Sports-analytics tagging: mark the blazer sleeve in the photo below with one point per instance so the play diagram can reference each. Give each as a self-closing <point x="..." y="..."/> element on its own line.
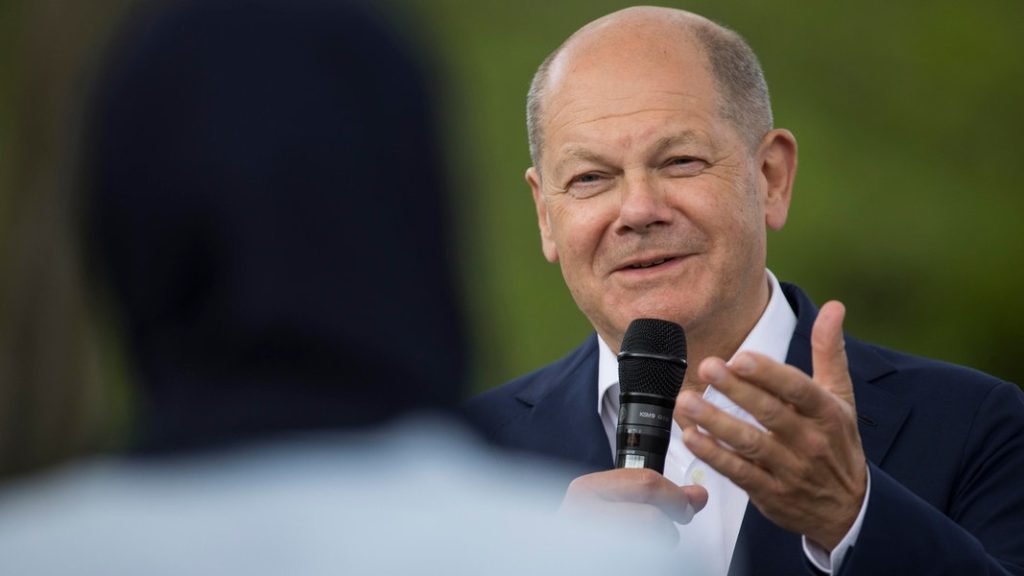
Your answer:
<point x="981" y="531"/>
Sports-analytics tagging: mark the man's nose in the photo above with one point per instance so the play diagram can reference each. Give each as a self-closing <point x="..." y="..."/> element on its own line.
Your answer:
<point x="644" y="204"/>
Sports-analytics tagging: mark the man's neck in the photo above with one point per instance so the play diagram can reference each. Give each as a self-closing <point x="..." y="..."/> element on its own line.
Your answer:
<point x="711" y="340"/>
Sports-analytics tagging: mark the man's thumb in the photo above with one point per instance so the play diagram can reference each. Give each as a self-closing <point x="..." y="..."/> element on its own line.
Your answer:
<point x="828" y="351"/>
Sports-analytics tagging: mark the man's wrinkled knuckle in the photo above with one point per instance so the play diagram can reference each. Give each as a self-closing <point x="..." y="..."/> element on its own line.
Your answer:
<point x="803" y="469"/>
<point x="647" y="480"/>
<point x="742" y="474"/>
<point x="780" y="492"/>
<point x="816" y="446"/>
<point x="771" y="414"/>
<point x="801" y="393"/>
<point x="750" y="444"/>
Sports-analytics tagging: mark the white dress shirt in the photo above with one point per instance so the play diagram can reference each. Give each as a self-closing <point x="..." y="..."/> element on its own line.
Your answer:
<point x="711" y="535"/>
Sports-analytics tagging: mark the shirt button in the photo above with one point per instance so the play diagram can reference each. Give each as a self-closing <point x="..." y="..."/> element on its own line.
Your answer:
<point x="697" y="476"/>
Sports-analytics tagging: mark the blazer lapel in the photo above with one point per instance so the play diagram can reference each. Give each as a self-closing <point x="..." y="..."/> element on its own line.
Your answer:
<point x="880" y="414"/>
<point x="564" y="410"/>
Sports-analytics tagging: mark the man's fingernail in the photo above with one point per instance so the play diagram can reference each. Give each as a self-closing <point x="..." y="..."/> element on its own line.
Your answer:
<point x="743" y="364"/>
<point x="693" y="439"/>
<point x="714" y="372"/>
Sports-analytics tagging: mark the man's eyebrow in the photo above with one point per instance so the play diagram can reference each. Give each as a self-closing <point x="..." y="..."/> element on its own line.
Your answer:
<point x="579" y="153"/>
<point x="582" y="153"/>
<point x="685" y="137"/>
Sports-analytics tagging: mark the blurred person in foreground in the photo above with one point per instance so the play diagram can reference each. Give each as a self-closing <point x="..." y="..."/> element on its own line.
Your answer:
<point x="264" y="200"/>
<point x="656" y="172"/>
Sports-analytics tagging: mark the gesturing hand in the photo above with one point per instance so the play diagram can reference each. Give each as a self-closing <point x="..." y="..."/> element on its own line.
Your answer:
<point x="806" y="473"/>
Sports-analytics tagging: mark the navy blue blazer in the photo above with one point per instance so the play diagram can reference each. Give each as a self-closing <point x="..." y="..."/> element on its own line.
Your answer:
<point x="945" y="447"/>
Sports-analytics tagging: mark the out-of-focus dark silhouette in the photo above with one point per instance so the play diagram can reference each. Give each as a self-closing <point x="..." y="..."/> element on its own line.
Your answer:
<point x="262" y="201"/>
<point x="264" y="195"/>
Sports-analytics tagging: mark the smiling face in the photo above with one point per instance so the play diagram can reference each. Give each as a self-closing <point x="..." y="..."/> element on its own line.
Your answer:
<point x="654" y="204"/>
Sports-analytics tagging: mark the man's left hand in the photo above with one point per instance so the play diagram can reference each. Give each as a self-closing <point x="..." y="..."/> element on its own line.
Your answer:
<point x="807" y="472"/>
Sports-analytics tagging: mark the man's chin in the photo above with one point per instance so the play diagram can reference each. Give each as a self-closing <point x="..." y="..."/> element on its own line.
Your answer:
<point x="664" y="309"/>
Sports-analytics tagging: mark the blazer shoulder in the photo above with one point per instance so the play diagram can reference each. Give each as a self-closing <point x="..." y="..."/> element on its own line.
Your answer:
<point x="899" y="373"/>
<point x="918" y="375"/>
<point x="493" y="409"/>
<point x="924" y="403"/>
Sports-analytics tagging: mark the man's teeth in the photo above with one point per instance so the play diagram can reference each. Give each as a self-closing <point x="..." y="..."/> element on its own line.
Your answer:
<point x="649" y="264"/>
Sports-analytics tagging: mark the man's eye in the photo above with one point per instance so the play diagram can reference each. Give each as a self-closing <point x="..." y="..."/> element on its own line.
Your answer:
<point x="685" y="165"/>
<point x="587" y="185"/>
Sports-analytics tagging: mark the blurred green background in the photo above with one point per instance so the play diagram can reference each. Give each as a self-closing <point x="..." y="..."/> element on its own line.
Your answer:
<point x="907" y="203"/>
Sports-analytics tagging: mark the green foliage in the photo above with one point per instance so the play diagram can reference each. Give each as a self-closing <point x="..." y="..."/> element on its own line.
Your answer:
<point x="909" y="118"/>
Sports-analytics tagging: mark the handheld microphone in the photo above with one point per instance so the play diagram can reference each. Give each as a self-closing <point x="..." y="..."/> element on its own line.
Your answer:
<point x="652" y="363"/>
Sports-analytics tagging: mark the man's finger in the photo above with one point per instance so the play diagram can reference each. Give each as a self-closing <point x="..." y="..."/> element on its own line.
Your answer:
<point x="787" y="383"/>
<point x="741" y="471"/>
<point x="767" y="404"/>
<point x="641" y="486"/>
<point x="698" y="498"/>
<point x="746" y="440"/>
<point x="828" y="351"/>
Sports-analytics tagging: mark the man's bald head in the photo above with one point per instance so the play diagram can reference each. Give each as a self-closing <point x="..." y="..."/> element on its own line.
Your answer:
<point x="739" y="80"/>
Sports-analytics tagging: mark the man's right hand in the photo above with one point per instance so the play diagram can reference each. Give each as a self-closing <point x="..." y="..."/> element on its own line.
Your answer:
<point x="635" y="497"/>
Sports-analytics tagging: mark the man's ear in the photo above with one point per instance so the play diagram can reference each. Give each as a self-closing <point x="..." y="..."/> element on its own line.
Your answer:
<point x="777" y="157"/>
<point x="547" y="241"/>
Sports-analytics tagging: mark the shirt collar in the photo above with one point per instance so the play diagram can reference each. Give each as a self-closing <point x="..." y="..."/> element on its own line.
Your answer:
<point x="770" y="336"/>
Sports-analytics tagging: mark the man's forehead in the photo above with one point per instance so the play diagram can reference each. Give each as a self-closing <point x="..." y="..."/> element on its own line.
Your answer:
<point x="597" y="93"/>
<point x="612" y="64"/>
<point x="623" y="63"/>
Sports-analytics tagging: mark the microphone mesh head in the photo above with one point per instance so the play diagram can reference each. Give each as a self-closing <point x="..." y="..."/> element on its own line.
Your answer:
<point x="652" y="375"/>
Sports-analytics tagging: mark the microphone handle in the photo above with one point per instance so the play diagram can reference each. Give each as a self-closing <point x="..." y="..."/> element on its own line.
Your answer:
<point x="644" y="430"/>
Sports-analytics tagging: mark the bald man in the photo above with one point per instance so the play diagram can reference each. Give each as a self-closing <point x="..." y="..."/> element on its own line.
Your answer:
<point x="656" y="173"/>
